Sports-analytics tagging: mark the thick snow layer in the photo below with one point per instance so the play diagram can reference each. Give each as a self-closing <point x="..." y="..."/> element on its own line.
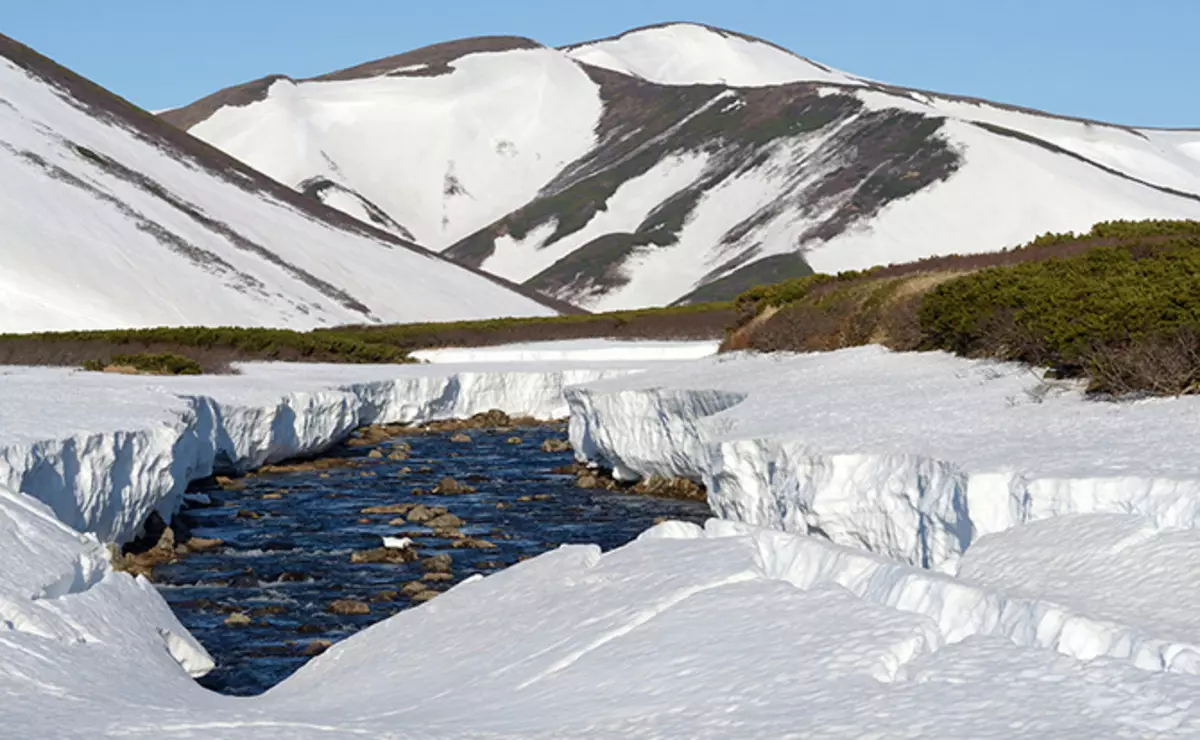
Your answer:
<point x="573" y="350"/>
<point x="910" y="455"/>
<point x="1007" y="192"/>
<point x="452" y="155"/>
<point x="732" y="634"/>
<point x="103" y="451"/>
<point x="1118" y="568"/>
<point x="625" y="210"/>
<point x="1164" y="158"/>
<point x="689" y="54"/>
<point x="86" y="247"/>
<point x="443" y="155"/>
<point x="1078" y="624"/>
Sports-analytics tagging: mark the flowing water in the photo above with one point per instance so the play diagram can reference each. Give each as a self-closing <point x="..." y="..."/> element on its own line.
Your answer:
<point x="289" y="538"/>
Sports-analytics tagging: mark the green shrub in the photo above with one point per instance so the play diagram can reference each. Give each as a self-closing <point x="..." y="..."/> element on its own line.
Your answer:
<point x="162" y="363"/>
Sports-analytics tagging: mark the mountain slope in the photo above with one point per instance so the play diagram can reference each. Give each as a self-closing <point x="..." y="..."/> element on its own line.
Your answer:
<point x="112" y="218"/>
<point x="683" y="162"/>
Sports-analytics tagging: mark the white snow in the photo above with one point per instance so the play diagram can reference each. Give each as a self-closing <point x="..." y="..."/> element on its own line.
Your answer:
<point x="397" y="543"/>
<point x="76" y="259"/>
<point x="624" y="211"/>
<point x="910" y="455"/>
<point x="451" y="155"/>
<point x="690" y="54"/>
<point x="442" y="155"/>
<point x="1155" y="156"/>
<point x="1006" y="193"/>
<point x="103" y="450"/>
<point x="1072" y="614"/>
<point x="573" y="350"/>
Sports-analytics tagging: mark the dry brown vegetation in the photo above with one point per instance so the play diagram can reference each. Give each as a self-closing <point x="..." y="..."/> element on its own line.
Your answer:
<point x="1119" y="305"/>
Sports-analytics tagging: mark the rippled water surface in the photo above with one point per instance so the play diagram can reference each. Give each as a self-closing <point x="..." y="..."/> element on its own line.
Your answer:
<point x="289" y="539"/>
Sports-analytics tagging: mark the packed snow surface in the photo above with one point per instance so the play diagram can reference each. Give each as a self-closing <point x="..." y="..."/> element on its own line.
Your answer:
<point x="108" y="227"/>
<point x="442" y="155"/>
<point x="913" y="455"/>
<point x="1059" y="601"/>
<point x="689" y="54"/>
<point x="493" y="153"/>
<point x="572" y="350"/>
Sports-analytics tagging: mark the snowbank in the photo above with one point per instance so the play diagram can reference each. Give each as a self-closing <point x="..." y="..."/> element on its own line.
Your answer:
<point x="726" y="633"/>
<point x="1072" y="626"/>
<point x="574" y="350"/>
<point x="912" y="456"/>
<point x="103" y="451"/>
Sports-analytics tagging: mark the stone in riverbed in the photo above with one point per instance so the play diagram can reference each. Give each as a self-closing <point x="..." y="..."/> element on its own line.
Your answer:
<point x="424" y="596"/>
<point x="412" y="588"/>
<point x="438" y="564"/>
<point x="676" y="488"/>
<point x="390" y="509"/>
<point x="444" y="521"/>
<point x="316" y="647"/>
<point x="448" y="487"/>
<point x="470" y="543"/>
<point x="461" y="438"/>
<point x="238" y="619"/>
<point x="513" y="441"/>
<point x="587" y="482"/>
<point x="272" y="496"/>
<point x="420" y="514"/>
<point x="556" y="445"/>
<point x="375" y="454"/>
<point x="247" y="514"/>
<point x="437" y="577"/>
<point x="397" y="456"/>
<point x="448" y="533"/>
<point x="203" y="544"/>
<point x="384" y="596"/>
<point x="377" y="555"/>
<point x="349" y="607"/>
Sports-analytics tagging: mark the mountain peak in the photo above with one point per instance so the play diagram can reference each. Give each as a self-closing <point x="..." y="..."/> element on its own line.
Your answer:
<point x="694" y="53"/>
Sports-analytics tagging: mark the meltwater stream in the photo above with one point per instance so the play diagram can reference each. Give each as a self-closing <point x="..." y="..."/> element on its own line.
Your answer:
<point x="288" y="540"/>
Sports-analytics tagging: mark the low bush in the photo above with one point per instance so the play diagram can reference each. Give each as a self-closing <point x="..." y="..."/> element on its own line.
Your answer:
<point x="163" y="363"/>
<point x="1119" y="305"/>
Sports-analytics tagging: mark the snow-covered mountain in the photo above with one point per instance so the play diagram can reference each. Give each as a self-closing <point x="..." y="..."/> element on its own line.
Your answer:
<point x="682" y="162"/>
<point x="112" y="218"/>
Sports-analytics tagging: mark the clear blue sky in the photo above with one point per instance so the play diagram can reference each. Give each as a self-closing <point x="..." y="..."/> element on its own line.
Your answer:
<point x="1126" y="61"/>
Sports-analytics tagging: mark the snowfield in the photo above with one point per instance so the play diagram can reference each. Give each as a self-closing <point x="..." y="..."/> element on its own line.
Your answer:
<point x="112" y="219"/>
<point x="493" y="157"/>
<point x="688" y="54"/>
<point x="1059" y="536"/>
<point x="441" y="155"/>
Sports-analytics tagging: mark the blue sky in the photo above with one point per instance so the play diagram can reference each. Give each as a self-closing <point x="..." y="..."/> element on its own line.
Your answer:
<point x="1114" y="60"/>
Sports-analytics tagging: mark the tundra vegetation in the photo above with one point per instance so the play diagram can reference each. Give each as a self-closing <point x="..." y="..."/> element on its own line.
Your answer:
<point x="1118" y="305"/>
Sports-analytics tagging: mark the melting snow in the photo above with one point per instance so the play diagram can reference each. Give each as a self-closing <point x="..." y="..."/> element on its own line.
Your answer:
<point x="1071" y="615"/>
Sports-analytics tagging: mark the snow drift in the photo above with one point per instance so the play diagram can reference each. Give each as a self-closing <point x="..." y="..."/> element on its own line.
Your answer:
<point x="1073" y="624"/>
<point x="914" y="456"/>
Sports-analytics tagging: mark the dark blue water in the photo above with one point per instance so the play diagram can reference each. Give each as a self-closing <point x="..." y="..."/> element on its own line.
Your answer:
<point x="284" y="568"/>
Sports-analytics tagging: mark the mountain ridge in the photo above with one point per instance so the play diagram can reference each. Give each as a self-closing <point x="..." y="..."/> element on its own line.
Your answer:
<point x="63" y="134"/>
<point x="776" y="197"/>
